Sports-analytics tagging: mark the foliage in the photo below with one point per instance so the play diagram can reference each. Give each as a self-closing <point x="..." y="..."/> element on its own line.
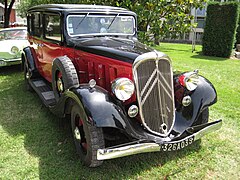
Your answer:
<point x="220" y="29"/>
<point x="164" y="19"/>
<point x="238" y="31"/>
<point x="156" y="18"/>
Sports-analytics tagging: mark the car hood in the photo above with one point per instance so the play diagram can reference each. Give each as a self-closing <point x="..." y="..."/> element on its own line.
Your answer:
<point x="122" y="49"/>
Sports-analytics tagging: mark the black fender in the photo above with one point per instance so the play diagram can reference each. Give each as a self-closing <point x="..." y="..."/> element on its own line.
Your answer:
<point x="28" y="56"/>
<point x="202" y="97"/>
<point x="102" y="110"/>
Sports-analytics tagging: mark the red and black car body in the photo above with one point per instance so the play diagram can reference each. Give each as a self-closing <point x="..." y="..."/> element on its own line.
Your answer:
<point x="113" y="87"/>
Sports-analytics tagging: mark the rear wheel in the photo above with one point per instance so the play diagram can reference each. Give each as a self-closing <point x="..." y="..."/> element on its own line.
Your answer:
<point x="87" y="138"/>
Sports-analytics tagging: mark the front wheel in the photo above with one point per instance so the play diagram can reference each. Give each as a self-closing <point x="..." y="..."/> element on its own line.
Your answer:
<point x="87" y="138"/>
<point x="27" y="75"/>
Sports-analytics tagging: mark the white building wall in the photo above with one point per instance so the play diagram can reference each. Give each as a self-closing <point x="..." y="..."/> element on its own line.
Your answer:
<point x="1" y="11"/>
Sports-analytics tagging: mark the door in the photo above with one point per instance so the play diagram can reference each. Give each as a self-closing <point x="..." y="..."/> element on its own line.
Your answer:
<point x="50" y="47"/>
<point x="35" y="38"/>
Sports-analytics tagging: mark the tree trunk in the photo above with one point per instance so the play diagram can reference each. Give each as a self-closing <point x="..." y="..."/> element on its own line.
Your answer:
<point x="156" y="39"/>
<point x="7" y="12"/>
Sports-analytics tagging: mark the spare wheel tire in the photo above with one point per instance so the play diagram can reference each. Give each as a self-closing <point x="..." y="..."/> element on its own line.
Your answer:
<point x="64" y="76"/>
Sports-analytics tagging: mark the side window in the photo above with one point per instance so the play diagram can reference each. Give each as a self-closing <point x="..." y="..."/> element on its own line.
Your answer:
<point x="35" y="25"/>
<point x="52" y="27"/>
<point x="29" y="24"/>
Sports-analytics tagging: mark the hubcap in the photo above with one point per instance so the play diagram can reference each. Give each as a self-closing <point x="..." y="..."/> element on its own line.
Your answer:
<point x="27" y="75"/>
<point x="60" y="85"/>
<point x="27" y="72"/>
<point x="77" y="134"/>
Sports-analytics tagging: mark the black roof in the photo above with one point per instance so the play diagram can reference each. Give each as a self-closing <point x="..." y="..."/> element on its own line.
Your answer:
<point x="76" y="7"/>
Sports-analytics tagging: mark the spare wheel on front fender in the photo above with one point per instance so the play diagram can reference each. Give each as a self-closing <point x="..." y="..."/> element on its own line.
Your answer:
<point x="64" y="76"/>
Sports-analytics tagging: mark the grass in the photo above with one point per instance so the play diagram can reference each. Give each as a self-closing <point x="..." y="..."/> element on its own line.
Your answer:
<point x="34" y="144"/>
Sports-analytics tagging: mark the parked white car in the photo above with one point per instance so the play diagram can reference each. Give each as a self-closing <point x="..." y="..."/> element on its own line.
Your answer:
<point x="12" y="42"/>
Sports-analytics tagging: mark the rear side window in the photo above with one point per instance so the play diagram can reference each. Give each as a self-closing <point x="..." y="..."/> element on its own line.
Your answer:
<point x="52" y="27"/>
<point x="35" y="25"/>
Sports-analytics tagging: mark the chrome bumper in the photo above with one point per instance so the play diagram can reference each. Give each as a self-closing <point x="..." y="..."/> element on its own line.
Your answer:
<point x="4" y="62"/>
<point x="111" y="153"/>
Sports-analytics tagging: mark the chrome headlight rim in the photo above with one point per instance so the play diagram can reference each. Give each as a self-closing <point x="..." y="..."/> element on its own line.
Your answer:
<point x="189" y="80"/>
<point x="14" y="50"/>
<point x="123" y="88"/>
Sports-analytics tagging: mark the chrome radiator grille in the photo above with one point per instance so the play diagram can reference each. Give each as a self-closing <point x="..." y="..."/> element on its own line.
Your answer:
<point x="154" y="83"/>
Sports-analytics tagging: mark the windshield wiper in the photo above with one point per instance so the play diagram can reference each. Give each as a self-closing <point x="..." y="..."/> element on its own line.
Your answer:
<point x="82" y="20"/>
<point x="112" y="21"/>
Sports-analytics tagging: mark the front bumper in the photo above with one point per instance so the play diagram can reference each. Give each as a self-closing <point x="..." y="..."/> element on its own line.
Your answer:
<point x="10" y="62"/>
<point x="195" y="133"/>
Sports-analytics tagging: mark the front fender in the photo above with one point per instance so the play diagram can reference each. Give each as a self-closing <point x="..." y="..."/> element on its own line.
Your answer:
<point x="27" y="53"/>
<point x="202" y="97"/>
<point x="99" y="106"/>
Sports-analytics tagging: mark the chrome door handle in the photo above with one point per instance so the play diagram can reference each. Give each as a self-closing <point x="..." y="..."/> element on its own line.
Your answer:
<point x="40" y="45"/>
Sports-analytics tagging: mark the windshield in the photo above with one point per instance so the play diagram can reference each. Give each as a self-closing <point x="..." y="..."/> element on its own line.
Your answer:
<point x="13" y="35"/>
<point x="78" y="25"/>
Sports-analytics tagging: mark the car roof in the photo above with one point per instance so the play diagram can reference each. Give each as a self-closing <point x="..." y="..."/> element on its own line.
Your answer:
<point x="14" y="28"/>
<point x="77" y="8"/>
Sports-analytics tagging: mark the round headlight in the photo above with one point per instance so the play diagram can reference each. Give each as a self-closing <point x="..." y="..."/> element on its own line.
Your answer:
<point x="123" y="88"/>
<point x="14" y="50"/>
<point x="189" y="80"/>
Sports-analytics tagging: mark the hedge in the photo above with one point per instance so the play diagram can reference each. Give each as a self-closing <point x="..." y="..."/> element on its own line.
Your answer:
<point x="220" y="30"/>
<point x="238" y="32"/>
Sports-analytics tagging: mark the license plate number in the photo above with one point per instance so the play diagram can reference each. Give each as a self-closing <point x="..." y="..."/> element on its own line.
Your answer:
<point x="178" y="145"/>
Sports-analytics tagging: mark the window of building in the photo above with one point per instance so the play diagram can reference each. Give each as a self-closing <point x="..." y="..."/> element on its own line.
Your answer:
<point x="200" y="23"/>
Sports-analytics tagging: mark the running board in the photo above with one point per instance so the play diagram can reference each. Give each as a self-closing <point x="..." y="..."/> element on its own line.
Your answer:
<point x="44" y="91"/>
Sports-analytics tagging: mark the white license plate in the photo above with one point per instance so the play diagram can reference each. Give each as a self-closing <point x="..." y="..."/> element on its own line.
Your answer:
<point x="178" y="145"/>
<point x="2" y="63"/>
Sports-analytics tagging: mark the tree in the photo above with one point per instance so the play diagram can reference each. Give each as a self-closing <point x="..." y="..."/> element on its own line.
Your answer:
<point x="157" y="19"/>
<point x="26" y="4"/>
<point x="7" y="11"/>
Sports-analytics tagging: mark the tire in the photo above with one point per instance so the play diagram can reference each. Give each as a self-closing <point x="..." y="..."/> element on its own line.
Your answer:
<point x="64" y="76"/>
<point x="87" y="138"/>
<point x="203" y="117"/>
<point x="27" y="75"/>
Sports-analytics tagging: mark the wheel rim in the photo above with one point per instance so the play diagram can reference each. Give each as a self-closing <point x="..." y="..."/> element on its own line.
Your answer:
<point x="27" y="73"/>
<point x="79" y="134"/>
<point x="60" y="87"/>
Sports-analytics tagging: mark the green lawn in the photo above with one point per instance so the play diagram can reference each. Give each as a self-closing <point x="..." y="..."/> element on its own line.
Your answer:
<point x="34" y="144"/>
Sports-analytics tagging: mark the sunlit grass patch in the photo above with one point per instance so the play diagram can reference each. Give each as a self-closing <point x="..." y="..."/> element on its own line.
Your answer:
<point x="34" y="145"/>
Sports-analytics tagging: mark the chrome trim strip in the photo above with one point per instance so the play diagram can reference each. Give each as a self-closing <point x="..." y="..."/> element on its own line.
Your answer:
<point x="148" y="82"/>
<point x="148" y="93"/>
<point x="11" y="60"/>
<point x="111" y="153"/>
